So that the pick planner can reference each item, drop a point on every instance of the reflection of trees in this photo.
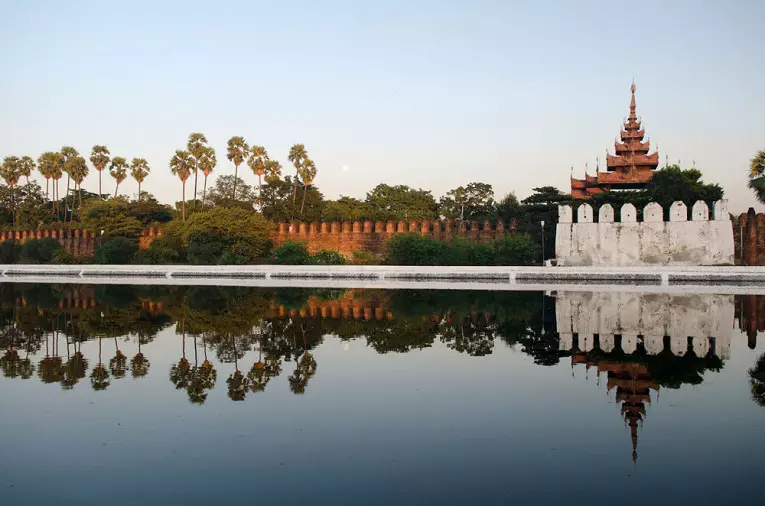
(180, 373)
(139, 364)
(757, 381)
(99, 376)
(202, 379)
(51, 368)
(118, 363)
(305, 369)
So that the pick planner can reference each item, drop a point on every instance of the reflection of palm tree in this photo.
(139, 364)
(305, 369)
(202, 378)
(99, 376)
(258, 374)
(75, 368)
(238, 384)
(118, 364)
(757, 381)
(51, 368)
(179, 373)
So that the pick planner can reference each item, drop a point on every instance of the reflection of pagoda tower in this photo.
(633, 386)
(630, 167)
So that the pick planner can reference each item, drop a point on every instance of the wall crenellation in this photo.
(652, 241)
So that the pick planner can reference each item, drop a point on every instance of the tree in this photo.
(11, 171)
(181, 165)
(234, 224)
(400, 202)
(509, 210)
(26, 167)
(757, 175)
(273, 170)
(118, 170)
(345, 209)
(257, 163)
(757, 381)
(207, 163)
(277, 204)
(69, 155)
(78, 169)
(139, 169)
(197, 146)
(236, 154)
(220, 194)
(49, 164)
(307, 174)
(474, 202)
(542, 205)
(111, 218)
(297, 157)
(99, 157)
(26, 202)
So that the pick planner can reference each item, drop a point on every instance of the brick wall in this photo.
(749, 238)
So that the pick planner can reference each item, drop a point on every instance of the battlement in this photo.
(368, 236)
(702, 240)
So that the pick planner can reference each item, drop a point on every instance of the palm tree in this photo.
(79, 171)
(99, 157)
(118, 170)
(307, 174)
(181, 165)
(257, 163)
(297, 156)
(26, 167)
(207, 163)
(49, 164)
(237, 153)
(139, 169)
(273, 171)
(10, 172)
(57, 172)
(757, 176)
(197, 147)
(69, 154)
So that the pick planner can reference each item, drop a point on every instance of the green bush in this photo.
(206, 248)
(515, 250)
(414, 249)
(162, 250)
(326, 257)
(292, 253)
(10, 251)
(235, 225)
(117, 250)
(39, 251)
(64, 258)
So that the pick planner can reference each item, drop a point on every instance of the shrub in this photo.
(64, 258)
(292, 253)
(206, 248)
(326, 257)
(10, 251)
(414, 249)
(365, 258)
(162, 250)
(111, 216)
(39, 251)
(515, 250)
(234, 224)
(117, 250)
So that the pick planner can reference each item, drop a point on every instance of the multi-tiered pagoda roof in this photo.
(630, 167)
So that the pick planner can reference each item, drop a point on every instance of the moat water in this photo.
(207, 395)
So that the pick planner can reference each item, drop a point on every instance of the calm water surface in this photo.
(204, 395)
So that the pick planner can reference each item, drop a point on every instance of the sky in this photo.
(431, 94)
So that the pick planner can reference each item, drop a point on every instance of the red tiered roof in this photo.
(631, 167)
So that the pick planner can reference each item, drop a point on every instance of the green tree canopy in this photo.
(474, 202)
(277, 202)
(400, 202)
(345, 209)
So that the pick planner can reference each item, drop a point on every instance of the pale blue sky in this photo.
(427, 93)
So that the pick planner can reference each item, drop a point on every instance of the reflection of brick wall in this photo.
(347, 237)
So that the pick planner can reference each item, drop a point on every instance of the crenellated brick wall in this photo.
(749, 238)
(344, 237)
(368, 236)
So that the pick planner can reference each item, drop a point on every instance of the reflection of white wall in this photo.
(653, 241)
(652, 316)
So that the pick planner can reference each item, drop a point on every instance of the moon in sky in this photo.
(345, 168)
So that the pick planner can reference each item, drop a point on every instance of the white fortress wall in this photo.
(653, 241)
